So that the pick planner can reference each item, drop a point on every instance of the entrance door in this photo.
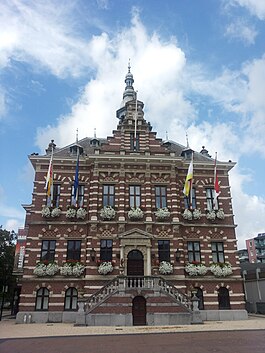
(135, 263)
(139, 311)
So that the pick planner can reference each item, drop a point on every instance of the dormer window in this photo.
(94, 142)
(75, 149)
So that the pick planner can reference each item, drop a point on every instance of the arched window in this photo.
(70, 300)
(223, 298)
(199, 295)
(42, 299)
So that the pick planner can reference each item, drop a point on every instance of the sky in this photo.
(198, 66)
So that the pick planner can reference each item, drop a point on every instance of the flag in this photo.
(188, 183)
(49, 182)
(76, 181)
(216, 184)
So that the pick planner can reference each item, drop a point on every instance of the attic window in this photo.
(94, 142)
(187, 154)
(74, 149)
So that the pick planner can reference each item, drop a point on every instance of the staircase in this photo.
(125, 283)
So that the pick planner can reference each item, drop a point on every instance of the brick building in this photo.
(121, 239)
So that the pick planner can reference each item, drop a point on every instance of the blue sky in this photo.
(198, 65)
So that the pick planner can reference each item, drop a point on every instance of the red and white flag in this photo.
(216, 184)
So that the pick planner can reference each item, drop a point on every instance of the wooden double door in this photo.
(135, 263)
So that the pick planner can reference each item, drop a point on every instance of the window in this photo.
(48, 250)
(199, 295)
(79, 201)
(164, 250)
(210, 193)
(106, 250)
(223, 298)
(42, 299)
(218, 252)
(73, 250)
(161, 196)
(190, 203)
(70, 300)
(134, 142)
(108, 195)
(135, 196)
(194, 251)
(56, 195)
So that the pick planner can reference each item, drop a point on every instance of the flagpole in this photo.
(216, 184)
(191, 182)
(49, 181)
(135, 121)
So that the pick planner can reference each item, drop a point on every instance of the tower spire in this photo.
(129, 93)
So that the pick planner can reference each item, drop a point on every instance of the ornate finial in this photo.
(95, 133)
(76, 135)
(187, 139)
(129, 66)
(166, 136)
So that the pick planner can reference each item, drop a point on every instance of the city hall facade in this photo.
(118, 243)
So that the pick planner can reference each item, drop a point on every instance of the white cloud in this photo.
(242, 31)
(255, 7)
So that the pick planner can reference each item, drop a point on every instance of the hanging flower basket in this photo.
(197, 213)
(196, 269)
(46, 212)
(220, 214)
(71, 212)
(105, 267)
(165, 268)
(187, 214)
(107, 213)
(221, 269)
(81, 213)
(162, 214)
(56, 212)
(46, 270)
(135, 213)
(211, 215)
(72, 269)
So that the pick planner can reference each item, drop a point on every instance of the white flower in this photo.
(66, 270)
(45, 212)
(52, 269)
(45, 270)
(211, 215)
(78, 269)
(81, 213)
(197, 214)
(196, 270)
(162, 213)
(71, 213)
(105, 268)
(107, 212)
(165, 268)
(221, 270)
(56, 212)
(187, 214)
(40, 270)
(135, 213)
(220, 214)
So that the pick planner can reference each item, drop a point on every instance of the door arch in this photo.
(139, 310)
(135, 263)
(223, 298)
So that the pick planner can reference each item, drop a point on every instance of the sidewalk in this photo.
(9, 329)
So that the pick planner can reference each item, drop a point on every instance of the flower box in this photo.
(135, 213)
(221, 269)
(162, 214)
(165, 268)
(81, 213)
(105, 267)
(72, 269)
(196, 269)
(47, 212)
(107, 213)
(42, 269)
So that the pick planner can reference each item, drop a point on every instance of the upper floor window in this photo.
(79, 199)
(164, 250)
(161, 196)
(135, 196)
(190, 202)
(218, 252)
(48, 250)
(108, 195)
(194, 251)
(106, 250)
(54, 200)
(210, 194)
(70, 300)
(134, 141)
(42, 299)
(73, 250)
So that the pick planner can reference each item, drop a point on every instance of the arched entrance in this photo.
(223, 298)
(139, 311)
(135, 263)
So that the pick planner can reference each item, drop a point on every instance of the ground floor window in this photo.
(70, 300)
(42, 299)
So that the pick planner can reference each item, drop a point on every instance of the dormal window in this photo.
(134, 141)
(70, 300)
(108, 195)
(210, 198)
(194, 251)
(48, 250)
(161, 196)
(78, 199)
(164, 250)
(135, 196)
(106, 250)
(42, 299)
(190, 202)
(73, 250)
(54, 200)
(218, 252)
